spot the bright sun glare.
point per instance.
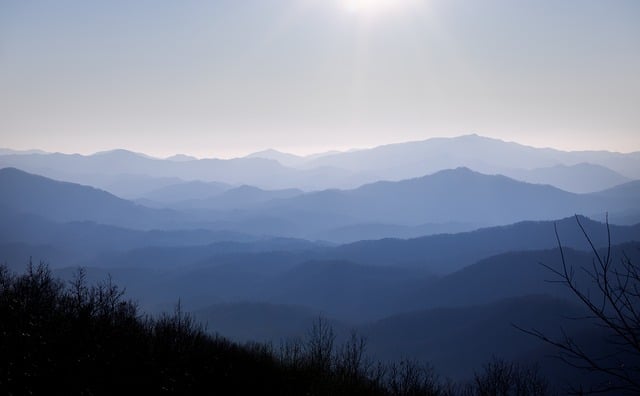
(373, 6)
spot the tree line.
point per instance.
(74, 338)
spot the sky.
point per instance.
(228, 77)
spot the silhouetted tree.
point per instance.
(501, 378)
(351, 363)
(80, 339)
(612, 298)
(319, 347)
(409, 377)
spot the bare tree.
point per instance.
(412, 378)
(351, 361)
(502, 378)
(611, 295)
(319, 347)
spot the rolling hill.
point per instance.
(442, 253)
(62, 201)
(242, 197)
(411, 159)
(578, 178)
(448, 196)
(457, 195)
(260, 172)
(186, 191)
(458, 340)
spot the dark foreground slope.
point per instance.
(88, 340)
(80, 339)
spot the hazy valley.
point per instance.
(429, 257)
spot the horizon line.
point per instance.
(306, 154)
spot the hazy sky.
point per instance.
(228, 77)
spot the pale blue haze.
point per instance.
(224, 78)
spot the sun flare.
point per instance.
(373, 6)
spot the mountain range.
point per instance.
(271, 169)
(431, 250)
(487, 155)
(457, 196)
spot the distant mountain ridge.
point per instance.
(487, 155)
(265, 173)
(285, 159)
(272, 169)
(456, 195)
(241, 197)
(579, 178)
(186, 191)
(63, 201)
(451, 196)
